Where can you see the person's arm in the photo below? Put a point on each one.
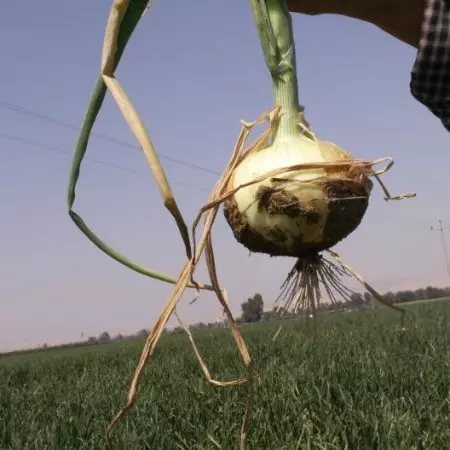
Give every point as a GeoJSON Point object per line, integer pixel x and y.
{"type": "Point", "coordinates": [430, 76]}
{"type": "Point", "coordinates": [424, 24]}
{"type": "Point", "coordinates": [399, 18]}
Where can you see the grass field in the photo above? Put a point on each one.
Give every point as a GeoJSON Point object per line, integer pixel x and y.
{"type": "Point", "coordinates": [355, 385]}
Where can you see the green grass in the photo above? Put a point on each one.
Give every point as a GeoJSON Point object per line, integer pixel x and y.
{"type": "Point", "coordinates": [416, 302]}
{"type": "Point", "coordinates": [355, 385]}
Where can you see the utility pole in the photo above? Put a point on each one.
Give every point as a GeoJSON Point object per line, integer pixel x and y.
{"type": "Point", "coordinates": [441, 229]}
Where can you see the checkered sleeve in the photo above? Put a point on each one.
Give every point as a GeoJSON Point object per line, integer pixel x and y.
{"type": "Point", "coordinates": [430, 76]}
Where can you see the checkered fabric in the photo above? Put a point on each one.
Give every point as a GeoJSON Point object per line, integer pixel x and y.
{"type": "Point", "coordinates": [430, 76]}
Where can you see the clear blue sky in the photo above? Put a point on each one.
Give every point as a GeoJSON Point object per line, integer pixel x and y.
{"type": "Point", "coordinates": [193, 71]}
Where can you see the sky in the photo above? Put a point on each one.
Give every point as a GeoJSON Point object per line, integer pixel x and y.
{"type": "Point", "coordinates": [193, 70]}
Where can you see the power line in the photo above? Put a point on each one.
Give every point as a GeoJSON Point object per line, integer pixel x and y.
{"type": "Point", "coordinates": [88, 158]}
{"type": "Point", "coordinates": [441, 229]}
{"type": "Point", "coordinates": [66, 153]}
{"type": "Point", "coordinates": [105, 137]}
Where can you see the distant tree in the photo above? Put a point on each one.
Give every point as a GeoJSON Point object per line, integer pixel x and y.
{"type": "Point", "coordinates": [104, 338]}
{"type": "Point", "coordinates": [142, 333]}
{"type": "Point", "coordinates": [406, 296]}
{"type": "Point", "coordinates": [92, 340]}
{"type": "Point", "coordinates": [390, 297]}
{"type": "Point", "coordinates": [356, 299]}
{"type": "Point", "coordinates": [421, 294]}
{"type": "Point", "coordinates": [119, 337]}
{"type": "Point", "coordinates": [432, 292]}
{"type": "Point", "coordinates": [252, 309]}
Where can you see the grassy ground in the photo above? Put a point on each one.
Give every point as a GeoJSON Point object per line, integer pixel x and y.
{"type": "Point", "coordinates": [416, 302]}
{"type": "Point", "coordinates": [355, 385]}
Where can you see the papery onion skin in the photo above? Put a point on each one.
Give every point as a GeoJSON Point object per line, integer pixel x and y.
{"type": "Point", "coordinates": [313, 212]}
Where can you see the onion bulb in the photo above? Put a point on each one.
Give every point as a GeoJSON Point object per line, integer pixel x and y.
{"type": "Point", "coordinates": [297, 213]}
{"type": "Point", "coordinates": [303, 211]}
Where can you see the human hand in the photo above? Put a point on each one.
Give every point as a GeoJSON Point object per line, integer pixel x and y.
{"type": "Point", "coordinates": [399, 18]}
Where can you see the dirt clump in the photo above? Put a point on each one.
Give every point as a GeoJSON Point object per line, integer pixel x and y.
{"type": "Point", "coordinates": [347, 204]}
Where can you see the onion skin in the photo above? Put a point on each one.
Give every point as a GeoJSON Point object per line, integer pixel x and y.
{"type": "Point", "coordinates": [312, 213]}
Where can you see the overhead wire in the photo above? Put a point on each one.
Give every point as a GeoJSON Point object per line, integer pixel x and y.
{"type": "Point", "coordinates": [46, 118]}
{"type": "Point", "coordinates": [90, 159]}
